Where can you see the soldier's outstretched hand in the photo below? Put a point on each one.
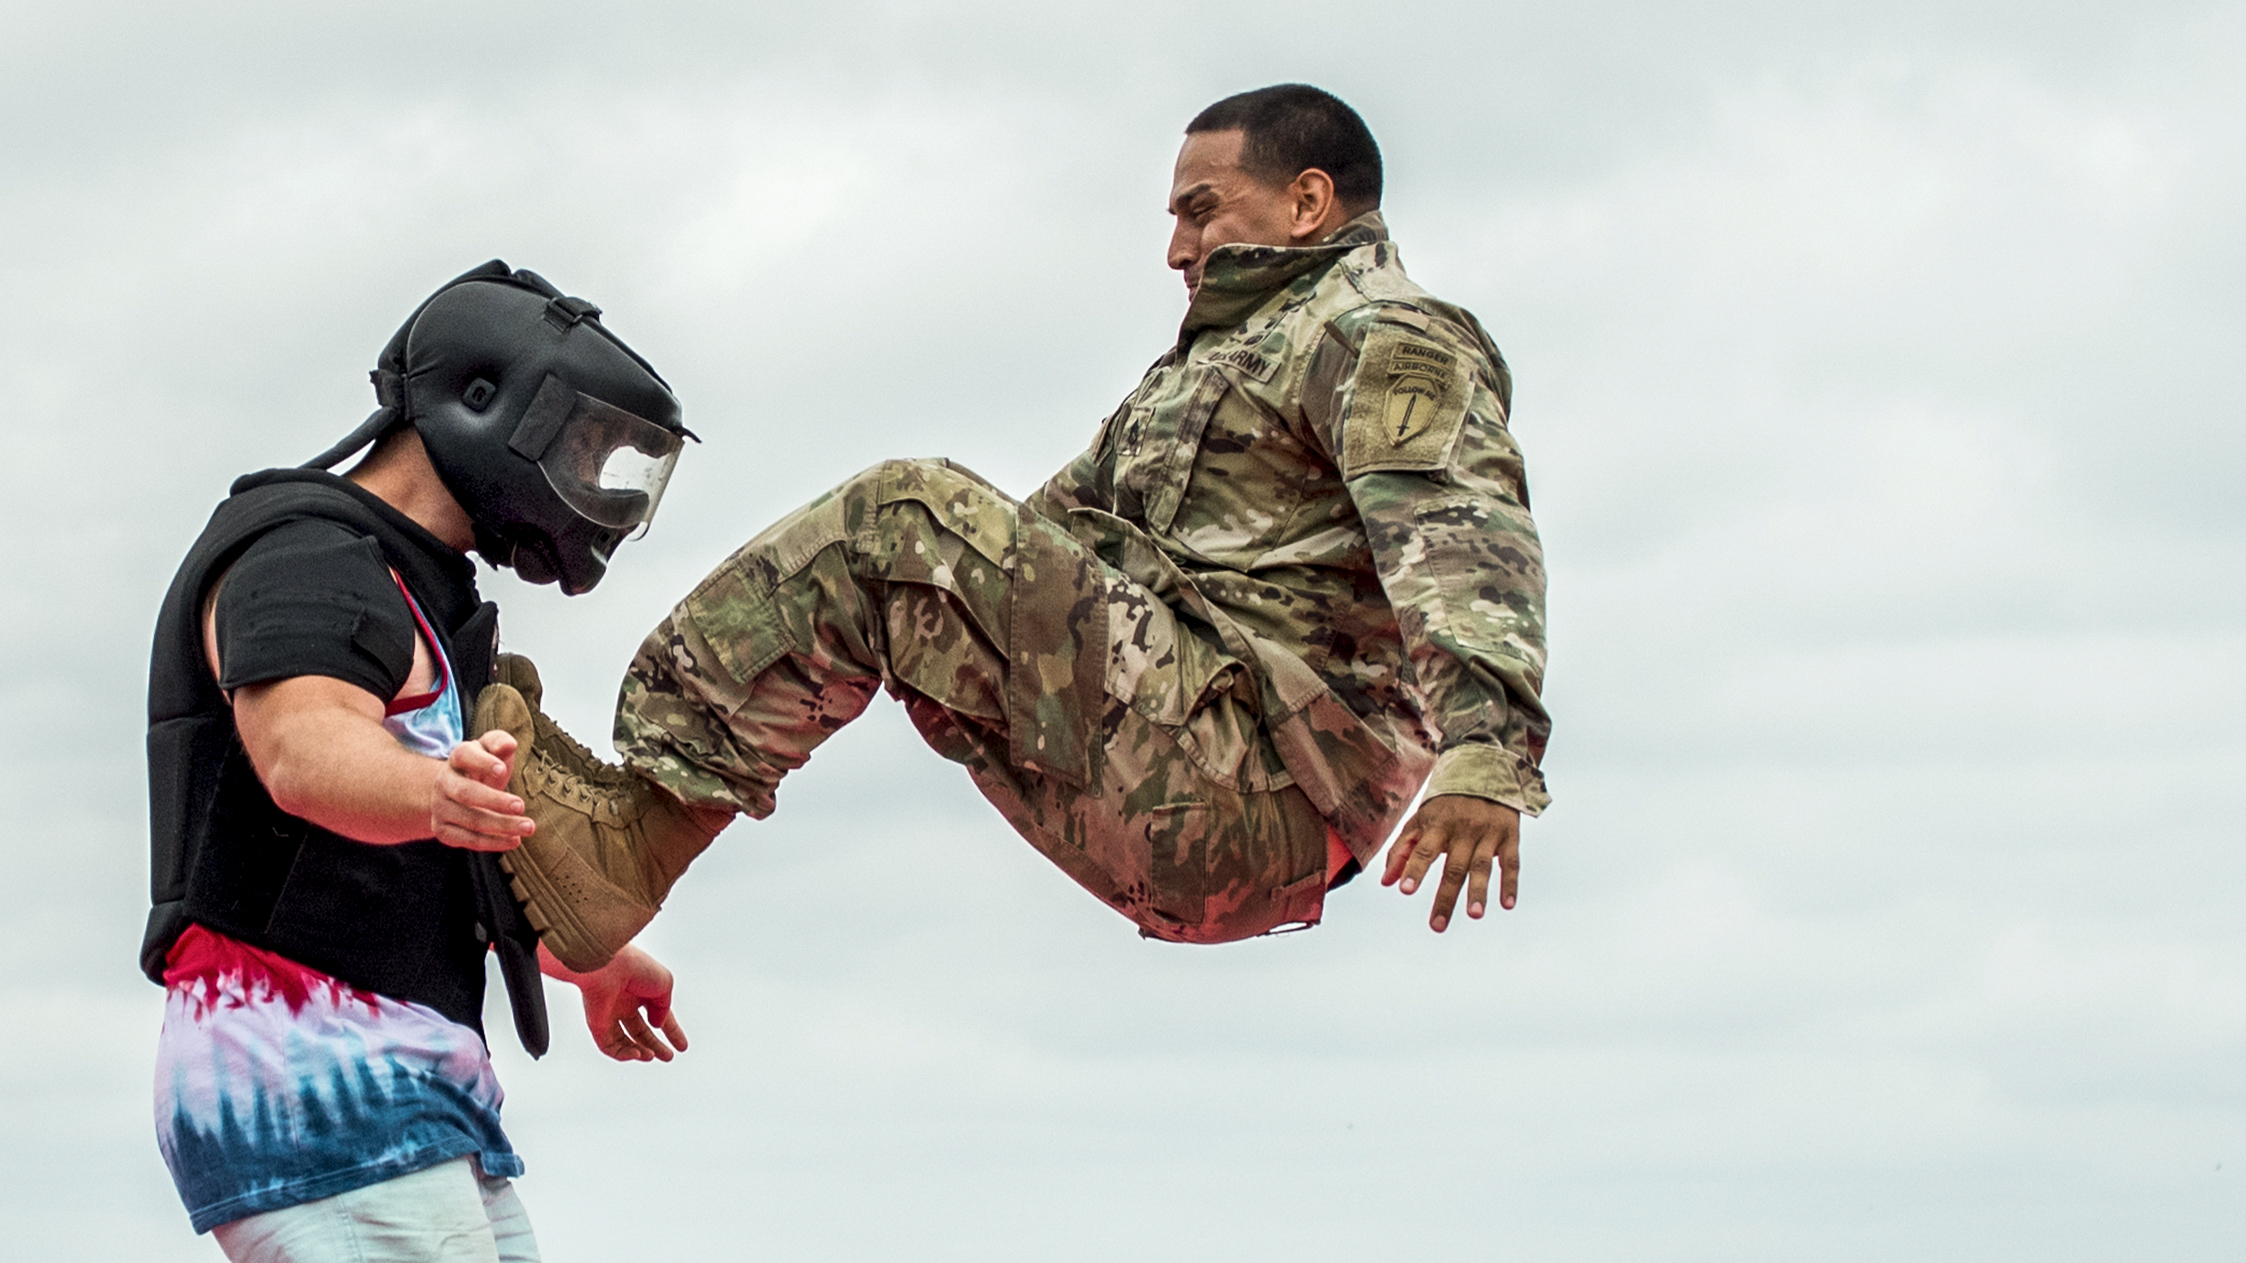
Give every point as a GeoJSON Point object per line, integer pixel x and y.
{"type": "Point", "coordinates": [1468, 833]}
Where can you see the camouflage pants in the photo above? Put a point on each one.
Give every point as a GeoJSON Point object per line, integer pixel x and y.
{"type": "Point", "coordinates": [1121, 742]}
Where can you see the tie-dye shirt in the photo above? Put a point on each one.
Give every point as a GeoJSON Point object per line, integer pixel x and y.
{"type": "Point", "coordinates": [277, 1084]}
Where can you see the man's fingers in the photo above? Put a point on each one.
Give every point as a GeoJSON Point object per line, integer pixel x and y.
{"type": "Point", "coordinates": [476, 756]}
{"type": "Point", "coordinates": [498, 824]}
{"type": "Point", "coordinates": [486, 762]}
{"type": "Point", "coordinates": [496, 820]}
{"type": "Point", "coordinates": [501, 745]}
{"type": "Point", "coordinates": [610, 1034]}
{"type": "Point", "coordinates": [475, 761]}
{"type": "Point", "coordinates": [476, 816]}
{"type": "Point", "coordinates": [1509, 869]}
{"type": "Point", "coordinates": [636, 1027]}
{"type": "Point", "coordinates": [476, 841]}
{"type": "Point", "coordinates": [470, 840]}
{"type": "Point", "coordinates": [673, 1031]}
{"type": "Point", "coordinates": [627, 1046]}
{"type": "Point", "coordinates": [476, 796]}
{"type": "Point", "coordinates": [619, 1046]}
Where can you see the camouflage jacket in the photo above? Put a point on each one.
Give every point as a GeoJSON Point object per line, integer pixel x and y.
{"type": "Point", "coordinates": [1320, 473]}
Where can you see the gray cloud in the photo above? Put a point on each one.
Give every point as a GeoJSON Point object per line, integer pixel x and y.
{"type": "Point", "coordinates": [1875, 376]}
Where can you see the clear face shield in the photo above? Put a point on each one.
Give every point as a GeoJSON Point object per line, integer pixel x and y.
{"type": "Point", "coordinates": [608, 465]}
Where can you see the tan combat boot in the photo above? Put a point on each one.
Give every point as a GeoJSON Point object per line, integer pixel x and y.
{"type": "Point", "coordinates": [609, 843]}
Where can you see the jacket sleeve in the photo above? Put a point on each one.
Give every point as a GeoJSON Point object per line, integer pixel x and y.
{"type": "Point", "coordinates": [1412, 408]}
{"type": "Point", "coordinates": [1088, 482]}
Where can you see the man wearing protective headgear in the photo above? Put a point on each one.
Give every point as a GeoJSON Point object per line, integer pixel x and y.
{"type": "Point", "coordinates": [1207, 667]}
{"type": "Point", "coordinates": [325, 833]}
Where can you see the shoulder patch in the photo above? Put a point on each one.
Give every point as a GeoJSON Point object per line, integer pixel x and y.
{"type": "Point", "coordinates": [1409, 402]}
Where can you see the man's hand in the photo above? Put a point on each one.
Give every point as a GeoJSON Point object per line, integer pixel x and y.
{"type": "Point", "coordinates": [1469, 832]}
{"type": "Point", "coordinates": [621, 998]}
{"type": "Point", "coordinates": [473, 809]}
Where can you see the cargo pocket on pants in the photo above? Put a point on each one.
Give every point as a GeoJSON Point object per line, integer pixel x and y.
{"type": "Point", "coordinates": [1176, 901]}
{"type": "Point", "coordinates": [1233, 868]}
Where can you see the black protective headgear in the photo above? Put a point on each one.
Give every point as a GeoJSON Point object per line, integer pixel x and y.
{"type": "Point", "coordinates": [553, 435]}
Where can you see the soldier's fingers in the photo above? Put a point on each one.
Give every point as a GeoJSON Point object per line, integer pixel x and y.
{"type": "Point", "coordinates": [1399, 851]}
{"type": "Point", "coordinates": [1455, 866]}
{"type": "Point", "coordinates": [1434, 841]}
{"type": "Point", "coordinates": [1509, 869]}
{"type": "Point", "coordinates": [1478, 881]}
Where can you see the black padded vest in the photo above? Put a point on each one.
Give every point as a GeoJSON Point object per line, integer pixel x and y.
{"type": "Point", "coordinates": [410, 921]}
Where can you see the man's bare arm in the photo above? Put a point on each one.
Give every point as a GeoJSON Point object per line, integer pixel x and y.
{"type": "Point", "coordinates": [319, 746]}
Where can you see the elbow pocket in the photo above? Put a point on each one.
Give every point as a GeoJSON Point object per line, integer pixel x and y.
{"type": "Point", "coordinates": [1484, 571]}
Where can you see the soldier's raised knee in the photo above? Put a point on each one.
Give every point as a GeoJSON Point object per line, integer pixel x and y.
{"type": "Point", "coordinates": [946, 497]}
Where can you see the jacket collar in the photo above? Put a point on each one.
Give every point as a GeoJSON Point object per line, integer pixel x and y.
{"type": "Point", "coordinates": [1238, 279]}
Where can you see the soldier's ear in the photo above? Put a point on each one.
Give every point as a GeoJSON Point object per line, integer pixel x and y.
{"type": "Point", "coordinates": [1314, 204]}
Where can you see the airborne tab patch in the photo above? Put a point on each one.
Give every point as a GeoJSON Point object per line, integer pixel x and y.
{"type": "Point", "coordinates": [1410, 400]}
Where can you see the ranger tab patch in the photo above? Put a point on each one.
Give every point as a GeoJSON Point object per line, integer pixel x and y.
{"type": "Point", "coordinates": [1410, 400]}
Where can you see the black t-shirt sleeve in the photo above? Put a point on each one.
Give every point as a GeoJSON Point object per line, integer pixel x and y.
{"type": "Point", "coordinates": [311, 598]}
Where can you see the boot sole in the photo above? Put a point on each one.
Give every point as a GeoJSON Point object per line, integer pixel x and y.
{"type": "Point", "coordinates": [551, 890]}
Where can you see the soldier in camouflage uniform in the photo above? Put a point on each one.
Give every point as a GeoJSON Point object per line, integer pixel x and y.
{"type": "Point", "coordinates": [1206, 668]}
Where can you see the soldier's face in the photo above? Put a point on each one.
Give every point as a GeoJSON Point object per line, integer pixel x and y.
{"type": "Point", "coordinates": [1218, 204]}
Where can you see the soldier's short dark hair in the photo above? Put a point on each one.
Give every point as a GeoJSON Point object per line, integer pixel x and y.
{"type": "Point", "coordinates": [1292, 127]}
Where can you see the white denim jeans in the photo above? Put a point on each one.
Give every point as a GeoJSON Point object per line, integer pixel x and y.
{"type": "Point", "coordinates": [444, 1214]}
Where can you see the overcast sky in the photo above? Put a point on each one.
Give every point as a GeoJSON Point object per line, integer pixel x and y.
{"type": "Point", "coordinates": [1879, 373]}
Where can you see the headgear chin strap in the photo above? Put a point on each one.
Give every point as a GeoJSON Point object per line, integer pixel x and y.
{"type": "Point", "coordinates": [372, 430]}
